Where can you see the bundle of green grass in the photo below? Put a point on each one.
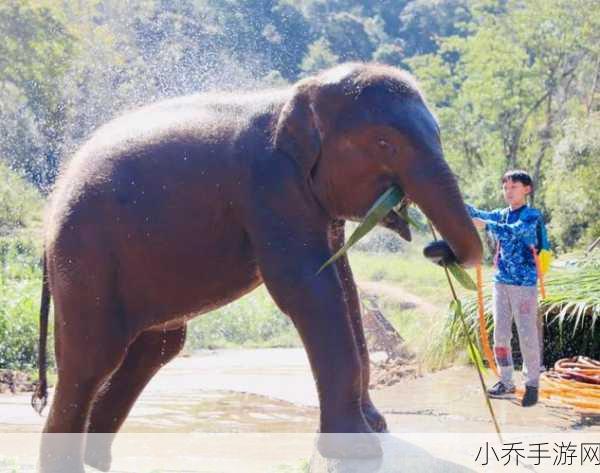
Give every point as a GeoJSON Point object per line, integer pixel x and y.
{"type": "Point", "coordinates": [571, 311]}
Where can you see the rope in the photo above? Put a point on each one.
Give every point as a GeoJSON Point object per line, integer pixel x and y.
{"type": "Point", "coordinates": [483, 333]}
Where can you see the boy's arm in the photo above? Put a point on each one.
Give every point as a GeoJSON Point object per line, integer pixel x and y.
{"type": "Point", "coordinates": [525, 229]}
{"type": "Point", "coordinates": [474, 212]}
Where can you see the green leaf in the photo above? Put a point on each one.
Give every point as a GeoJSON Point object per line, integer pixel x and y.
{"type": "Point", "coordinates": [476, 357]}
{"type": "Point", "coordinates": [402, 211]}
{"type": "Point", "coordinates": [456, 308]}
{"type": "Point", "coordinates": [403, 214]}
{"type": "Point", "coordinates": [382, 206]}
{"type": "Point", "coordinates": [474, 354]}
{"type": "Point", "coordinates": [462, 277]}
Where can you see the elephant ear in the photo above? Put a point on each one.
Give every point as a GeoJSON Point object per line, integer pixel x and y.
{"type": "Point", "coordinates": [298, 133]}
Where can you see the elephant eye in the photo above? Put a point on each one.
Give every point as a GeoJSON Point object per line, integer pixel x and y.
{"type": "Point", "coordinates": [383, 144]}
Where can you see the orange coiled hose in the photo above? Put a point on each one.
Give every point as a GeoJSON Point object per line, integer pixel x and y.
{"type": "Point", "coordinates": [575, 383]}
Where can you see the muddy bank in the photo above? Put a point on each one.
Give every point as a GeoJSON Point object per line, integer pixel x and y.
{"type": "Point", "coordinates": [272, 390]}
{"type": "Point", "coordinates": [13, 381]}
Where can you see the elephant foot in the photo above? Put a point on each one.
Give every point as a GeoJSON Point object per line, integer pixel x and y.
{"type": "Point", "coordinates": [374, 418]}
{"type": "Point", "coordinates": [349, 437]}
{"type": "Point", "coordinates": [59, 465]}
{"type": "Point", "coordinates": [97, 452]}
{"type": "Point", "coordinates": [349, 446]}
{"type": "Point", "coordinates": [98, 462]}
{"type": "Point", "coordinates": [60, 453]}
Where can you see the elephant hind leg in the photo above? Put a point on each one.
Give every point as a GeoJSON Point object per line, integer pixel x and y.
{"type": "Point", "coordinates": [92, 340]}
{"type": "Point", "coordinates": [82, 369]}
{"type": "Point", "coordinates": [145, 356]}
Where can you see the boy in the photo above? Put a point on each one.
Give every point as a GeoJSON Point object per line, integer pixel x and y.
{"type": "Point", "coordinates": [515, 230]}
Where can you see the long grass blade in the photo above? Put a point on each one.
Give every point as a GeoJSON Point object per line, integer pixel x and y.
{"type": "Point", "coordinates": [403, 214]}
{"type": "Point", "coordinates": [382, 206]}
{"type": "Point", "coordinates": [474, 354]}
{"type": "Point", "coordinates": [462, 276]}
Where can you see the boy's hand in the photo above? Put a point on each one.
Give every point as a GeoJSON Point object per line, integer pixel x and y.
{"type": "Point", "coordinates": [479, 224]}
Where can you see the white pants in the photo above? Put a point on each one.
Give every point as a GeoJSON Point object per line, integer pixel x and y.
{"type": "Point", "coordinates": [520, 303]}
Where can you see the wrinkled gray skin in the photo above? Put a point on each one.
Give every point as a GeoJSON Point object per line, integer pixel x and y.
{"type": "Point", "coordinates": [186, 205]}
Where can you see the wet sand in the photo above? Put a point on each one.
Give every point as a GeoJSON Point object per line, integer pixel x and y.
{"type": "Point", "coordinates": [272, 390]}
{"type": "Point", "coordinates": [256, 411]}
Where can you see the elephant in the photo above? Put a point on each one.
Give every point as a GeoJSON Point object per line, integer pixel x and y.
{"type": "Point", "coordinates": [182, 206]}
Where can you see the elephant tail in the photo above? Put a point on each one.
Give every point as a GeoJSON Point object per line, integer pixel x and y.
{"type": "Point", "coordinates": [39, 398]}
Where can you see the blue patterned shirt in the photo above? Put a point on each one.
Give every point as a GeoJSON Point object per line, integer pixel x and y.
{"type": "Point", "coordinates": [515, 231]}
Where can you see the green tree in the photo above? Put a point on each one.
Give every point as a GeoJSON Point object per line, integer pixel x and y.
{"type": "Point", "coordinates": [392, 54]}
{"type": "Point", "coordinates": [263, 34]}
{"type": "Point", "coordinates": [319, 57]}
{"type": "Point", "coordinates": [506, 87]}
{"type": "Point", "coordinates": [35, 52]}
{"type": "Point", "coordinates": [348, 38]}
{"type": "Point", "coordinates": [20, 203]}
{"type": "Point", "coordinates": [423, 22]}
{"type": "Point", "coordinates": [572, 192]}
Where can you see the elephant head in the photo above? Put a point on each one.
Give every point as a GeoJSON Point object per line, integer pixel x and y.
{"type": "Point", "coordinates": [357, 129]}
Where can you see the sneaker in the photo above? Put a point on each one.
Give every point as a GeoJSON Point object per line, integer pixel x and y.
{"type": "Point", "coordinates": [530, 397]}
{"type": "Point", "coordinates": [500, 389]}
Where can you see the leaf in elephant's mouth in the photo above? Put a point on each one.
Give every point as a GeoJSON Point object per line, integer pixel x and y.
{"type": "Point", "coordinates": [395, 200]}
{"type": "Point", "coordinates": [389, 200]}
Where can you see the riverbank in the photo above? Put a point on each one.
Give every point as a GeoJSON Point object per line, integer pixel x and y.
{"type": "Point", "coordinates": [272, 390]}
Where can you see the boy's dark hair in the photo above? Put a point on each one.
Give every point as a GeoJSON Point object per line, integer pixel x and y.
{"type": "Point", "coordinates": [518, 175]}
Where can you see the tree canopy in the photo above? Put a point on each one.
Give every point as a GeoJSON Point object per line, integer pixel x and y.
{"type": "Point", "coordinates": [514, 83]}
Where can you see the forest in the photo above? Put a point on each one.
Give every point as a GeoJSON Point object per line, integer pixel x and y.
{"type": "Point", "coordinates": [514, 83]}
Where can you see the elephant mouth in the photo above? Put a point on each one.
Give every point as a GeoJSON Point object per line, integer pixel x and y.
{"type": "Point", "coordinates": [393, 221]}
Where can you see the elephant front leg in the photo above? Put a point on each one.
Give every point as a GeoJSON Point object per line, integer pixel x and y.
{"type": "Point", "coordinates": [372, 415]}
{"type": "Point", "coordinates": [317, 306]}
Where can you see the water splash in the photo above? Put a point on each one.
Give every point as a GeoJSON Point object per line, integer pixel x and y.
{"type": "Point", "coordinates": [128, 54]}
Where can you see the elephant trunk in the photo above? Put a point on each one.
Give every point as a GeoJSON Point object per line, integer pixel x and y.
{"type": "Point", "coordinates": [435, 190]}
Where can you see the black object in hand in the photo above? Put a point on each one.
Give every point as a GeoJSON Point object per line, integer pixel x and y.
{"type": "Point", "coordinates": [439, 252]}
